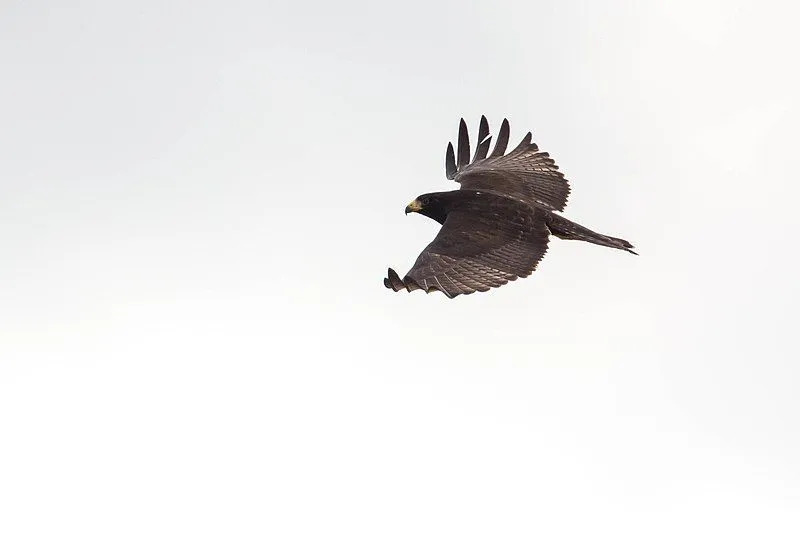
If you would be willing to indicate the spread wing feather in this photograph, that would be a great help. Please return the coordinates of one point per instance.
(463, 145)
(482, 149)
(502, 140)
(450, 162)
(483, 129)
(477, 251)
(524, 173)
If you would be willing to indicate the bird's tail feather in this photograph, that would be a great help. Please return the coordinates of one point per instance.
(566, 229)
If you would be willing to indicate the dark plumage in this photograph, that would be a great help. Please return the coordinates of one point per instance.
(496, 227)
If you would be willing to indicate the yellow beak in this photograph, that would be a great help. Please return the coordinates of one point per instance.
(414, 207)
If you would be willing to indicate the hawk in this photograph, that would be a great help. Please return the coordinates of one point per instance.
(495, 228)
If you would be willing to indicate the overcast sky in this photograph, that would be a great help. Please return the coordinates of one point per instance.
(198, 204)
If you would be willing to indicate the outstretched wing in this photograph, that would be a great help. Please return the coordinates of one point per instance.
(476, 251)
(524, 173)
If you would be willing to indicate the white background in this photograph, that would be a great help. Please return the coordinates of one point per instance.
(198, 202)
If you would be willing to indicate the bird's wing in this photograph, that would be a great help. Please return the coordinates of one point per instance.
(478, 251)
(524, 173)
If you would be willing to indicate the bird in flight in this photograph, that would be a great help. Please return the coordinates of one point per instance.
(495, 228)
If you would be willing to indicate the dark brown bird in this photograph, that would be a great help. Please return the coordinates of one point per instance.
(496, 227)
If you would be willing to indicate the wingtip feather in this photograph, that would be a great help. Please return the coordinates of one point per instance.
(393, 281)
(483, 129)
(463, 145)
(502, 139)
(450, 162)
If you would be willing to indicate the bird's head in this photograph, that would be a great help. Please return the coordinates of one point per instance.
(432, 205)
(419, 204)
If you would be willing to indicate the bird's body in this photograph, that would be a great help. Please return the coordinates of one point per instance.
(496, 227)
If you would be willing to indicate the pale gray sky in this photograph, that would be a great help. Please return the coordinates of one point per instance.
(199, 201)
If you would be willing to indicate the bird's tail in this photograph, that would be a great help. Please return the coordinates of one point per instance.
(566, 229)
